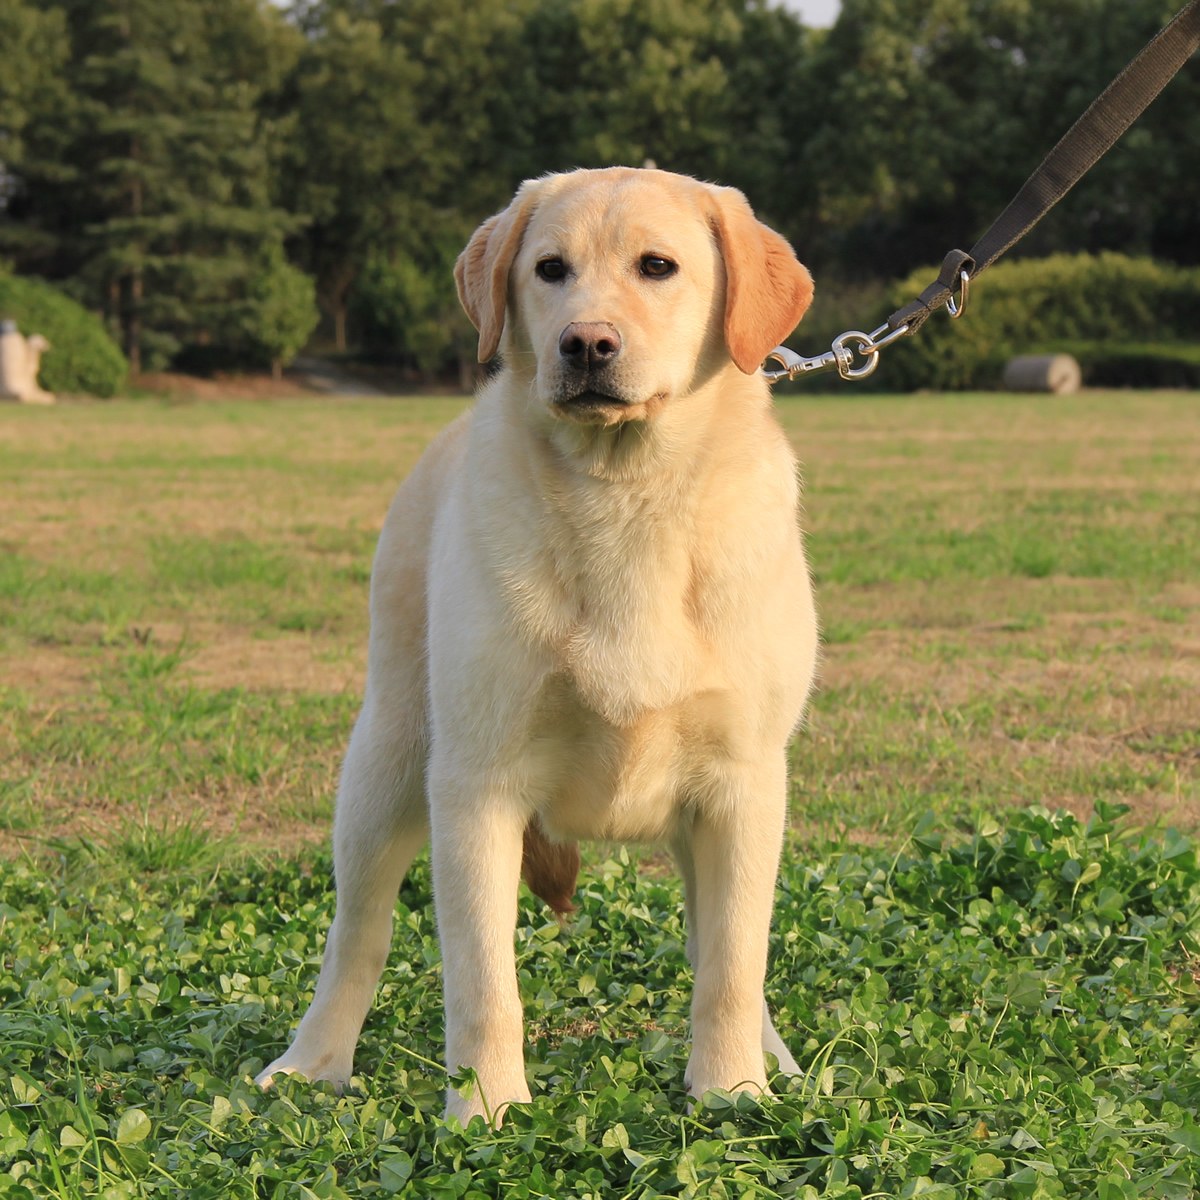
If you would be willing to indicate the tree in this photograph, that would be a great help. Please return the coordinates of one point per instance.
(354, 146)
(278, 314)
(35, 52)
(622, 81)
(770, 113)
(151, 183)
(1141, 197)
(406, 118)
(937, 111)
(416, 120)
(36, 49)
(409, 309)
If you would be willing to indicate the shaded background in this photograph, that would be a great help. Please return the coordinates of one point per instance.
(211, 177)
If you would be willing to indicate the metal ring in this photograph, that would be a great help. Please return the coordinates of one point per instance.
(845, 356)
(957, 310)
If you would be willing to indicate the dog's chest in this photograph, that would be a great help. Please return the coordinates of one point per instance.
(617, 609)
(594, 779)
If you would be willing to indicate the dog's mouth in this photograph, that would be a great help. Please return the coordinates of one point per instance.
(590, 400)
(593, 407)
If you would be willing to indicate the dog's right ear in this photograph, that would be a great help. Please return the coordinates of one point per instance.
(481, 271)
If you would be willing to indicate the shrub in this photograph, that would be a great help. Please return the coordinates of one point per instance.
(280, 313)
(410, 311)
(82, 358)
(266, 324)
(1108, 364)
(1049, 305)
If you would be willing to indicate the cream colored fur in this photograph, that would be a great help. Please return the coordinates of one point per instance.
(598, 613)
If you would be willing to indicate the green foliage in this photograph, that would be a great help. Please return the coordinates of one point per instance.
(279, 313)
(936, 113)
(35, 51)
(148, 182)
(1026, 306)
(83, 358)
(659, 91)
(410, 311)
(1136, 364)
(1010, 1014)
(149, 150)
(356, 148)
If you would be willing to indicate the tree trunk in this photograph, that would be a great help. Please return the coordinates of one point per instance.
(137, 286)
(339, 324)
(133, 324)
(334, 296)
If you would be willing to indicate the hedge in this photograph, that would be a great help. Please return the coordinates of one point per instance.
(1132, 364)
(82, 359)
(1130, 321)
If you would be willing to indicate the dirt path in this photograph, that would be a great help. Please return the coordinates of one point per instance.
(322, 375)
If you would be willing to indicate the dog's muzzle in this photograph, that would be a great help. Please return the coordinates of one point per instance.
(589, 353)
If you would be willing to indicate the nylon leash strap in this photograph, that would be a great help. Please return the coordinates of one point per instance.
(1081, 147)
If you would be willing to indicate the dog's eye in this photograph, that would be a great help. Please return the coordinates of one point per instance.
(657, 267)
(551, 270)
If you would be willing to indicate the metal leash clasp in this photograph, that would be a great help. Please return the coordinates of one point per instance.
(794, 365)
(853, 354)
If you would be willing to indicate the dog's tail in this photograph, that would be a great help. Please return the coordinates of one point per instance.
(550, 868)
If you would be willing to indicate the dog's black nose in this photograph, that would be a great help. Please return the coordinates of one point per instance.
(589, 343)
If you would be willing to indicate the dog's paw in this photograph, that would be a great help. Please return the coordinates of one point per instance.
(314, 1070)
(702, 1076)
(466, 1100)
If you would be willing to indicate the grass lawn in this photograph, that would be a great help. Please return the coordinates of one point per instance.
(990, 998)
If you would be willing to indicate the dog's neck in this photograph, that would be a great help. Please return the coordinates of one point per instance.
(615, 565)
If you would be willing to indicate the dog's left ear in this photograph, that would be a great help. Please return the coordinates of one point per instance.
(481, 271)
(767, 290)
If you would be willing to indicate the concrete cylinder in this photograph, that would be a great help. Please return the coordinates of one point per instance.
(12, 361)
(1058, 373)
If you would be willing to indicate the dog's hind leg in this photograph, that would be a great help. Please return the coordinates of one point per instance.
(774, 1044)
(380, 824)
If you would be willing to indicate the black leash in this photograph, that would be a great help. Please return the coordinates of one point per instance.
(1081, 147)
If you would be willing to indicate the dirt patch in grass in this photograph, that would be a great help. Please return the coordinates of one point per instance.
(284, 662)
(45, 672)
(214, 657)
(246, 822)
(89, 772)
(220, 387)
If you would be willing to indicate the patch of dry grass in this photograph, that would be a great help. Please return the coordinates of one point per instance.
(1008, 588)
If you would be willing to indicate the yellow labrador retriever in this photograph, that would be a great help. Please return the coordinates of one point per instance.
(590, 618)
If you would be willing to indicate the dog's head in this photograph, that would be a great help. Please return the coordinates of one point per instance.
(616, 290)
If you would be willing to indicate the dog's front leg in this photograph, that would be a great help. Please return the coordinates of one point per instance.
(734, 843)
(477, 832)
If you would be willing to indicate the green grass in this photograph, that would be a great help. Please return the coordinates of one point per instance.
(1006, 1014)
(988, 1000)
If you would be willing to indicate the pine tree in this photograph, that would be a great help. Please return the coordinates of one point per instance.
(355, 161)
(34, 48)
(152, 186)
